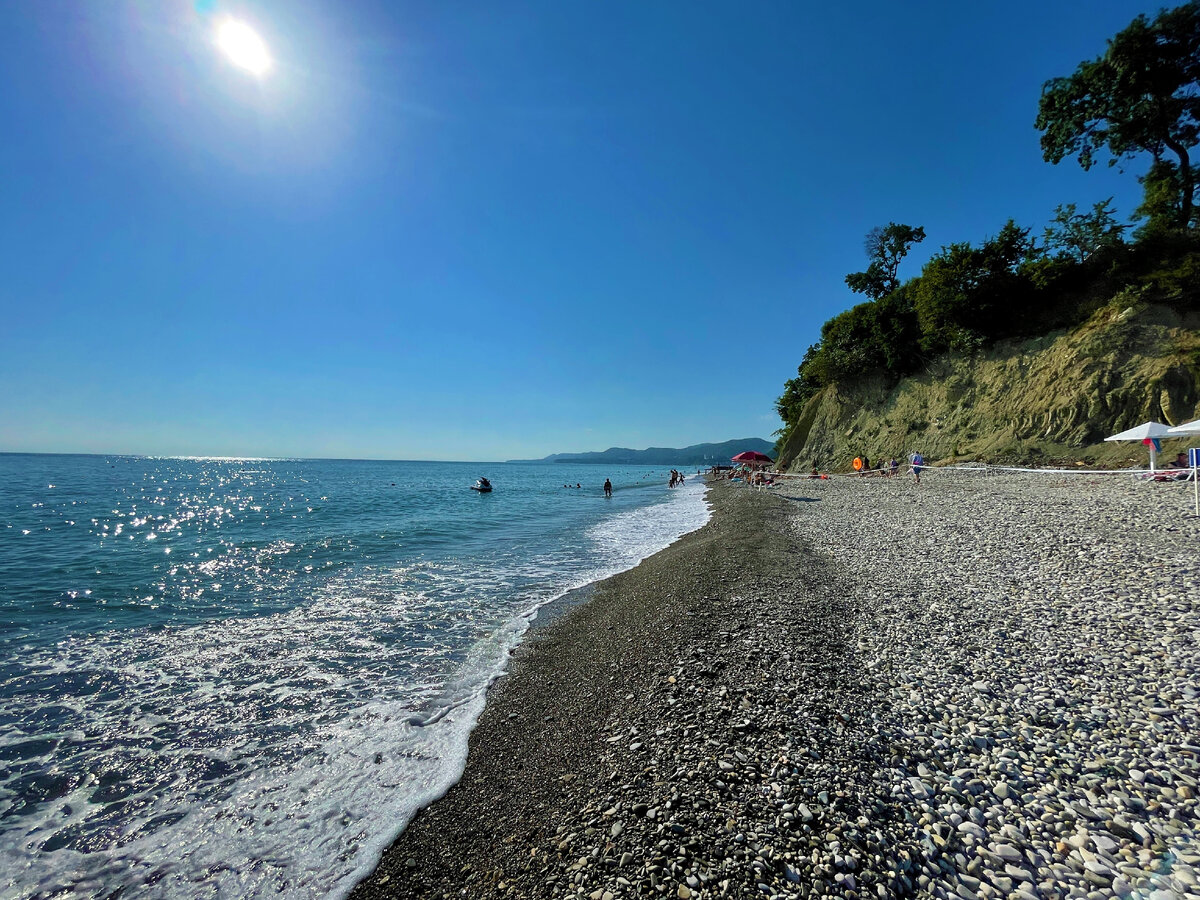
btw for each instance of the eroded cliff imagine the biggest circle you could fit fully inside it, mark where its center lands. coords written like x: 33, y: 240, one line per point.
x: 1053, y: 397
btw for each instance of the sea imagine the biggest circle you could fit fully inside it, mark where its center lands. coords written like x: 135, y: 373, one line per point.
x: 243, y: 677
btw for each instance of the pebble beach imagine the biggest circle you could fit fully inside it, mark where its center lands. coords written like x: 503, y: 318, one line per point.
x: 981, y: 686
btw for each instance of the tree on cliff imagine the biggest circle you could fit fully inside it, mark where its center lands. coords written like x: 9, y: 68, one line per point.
x: 1162, y: 193
x: 885, y: 248
x: 1079, y: 236
x: 1141, y: 96
x: 967, y: 297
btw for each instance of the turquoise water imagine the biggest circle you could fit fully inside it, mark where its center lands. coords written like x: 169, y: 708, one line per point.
x: 243, y: 677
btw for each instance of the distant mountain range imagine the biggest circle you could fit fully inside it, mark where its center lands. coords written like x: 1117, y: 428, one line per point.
x: 695, y: 455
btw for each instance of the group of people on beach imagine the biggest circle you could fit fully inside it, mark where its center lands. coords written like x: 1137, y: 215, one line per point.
x: 862, y: 465
x: 676, y: 478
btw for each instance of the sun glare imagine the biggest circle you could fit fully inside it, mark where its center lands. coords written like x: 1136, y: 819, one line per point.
x: 244, y: 48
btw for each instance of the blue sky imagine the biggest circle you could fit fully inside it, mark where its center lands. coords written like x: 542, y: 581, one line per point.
x: 485, y: 230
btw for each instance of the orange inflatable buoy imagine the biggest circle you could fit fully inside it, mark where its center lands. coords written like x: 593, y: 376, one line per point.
x: 857, y: 464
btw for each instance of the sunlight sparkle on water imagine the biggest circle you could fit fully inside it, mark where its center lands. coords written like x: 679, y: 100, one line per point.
x: 244, y: 48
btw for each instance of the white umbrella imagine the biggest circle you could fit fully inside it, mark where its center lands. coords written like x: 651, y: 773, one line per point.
x: 1144, y: 432
x: 1190, y: 429
x: 1187, y: 429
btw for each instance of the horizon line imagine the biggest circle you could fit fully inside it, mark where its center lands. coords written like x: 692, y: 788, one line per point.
x: 248, y: 458
x: 215, y: 458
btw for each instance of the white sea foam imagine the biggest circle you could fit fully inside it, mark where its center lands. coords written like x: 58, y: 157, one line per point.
x: 279, y: 755
x: 629, y: 537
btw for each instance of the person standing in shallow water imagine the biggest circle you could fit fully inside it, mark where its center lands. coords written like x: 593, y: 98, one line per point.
x: 607, y: 488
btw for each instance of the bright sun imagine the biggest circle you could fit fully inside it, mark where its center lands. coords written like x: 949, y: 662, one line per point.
x: 243, y: 46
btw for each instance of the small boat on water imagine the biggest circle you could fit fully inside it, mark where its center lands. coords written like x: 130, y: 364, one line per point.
x: 483, y: 486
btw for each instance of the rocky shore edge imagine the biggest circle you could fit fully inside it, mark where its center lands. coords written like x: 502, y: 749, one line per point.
x: 970, y: 688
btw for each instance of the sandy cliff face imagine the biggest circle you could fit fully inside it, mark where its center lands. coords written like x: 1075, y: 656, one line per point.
x: 1051, y: 397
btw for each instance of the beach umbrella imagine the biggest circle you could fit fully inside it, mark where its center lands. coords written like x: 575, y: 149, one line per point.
x: 1191, y: 429
x: 1148, y: 433
x: 751, y: 456
x: 1187, y: 429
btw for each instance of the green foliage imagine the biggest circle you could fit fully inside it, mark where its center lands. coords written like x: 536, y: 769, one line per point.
x: 943, y: 299
x: 877, y: 336
x: 885, y: 248
x: 1175, y: 282
x: 1079, y: 236
x: 849, y: 343
x: 897, y: 333
x: 1162, y: 198
x: 810, y: 378
x: 968, y: 296
x: 1140, y: 96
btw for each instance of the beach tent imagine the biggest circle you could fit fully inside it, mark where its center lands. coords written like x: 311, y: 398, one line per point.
x: 1149, y: 433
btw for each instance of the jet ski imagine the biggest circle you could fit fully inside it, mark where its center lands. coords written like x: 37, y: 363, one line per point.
x: 483, y: 486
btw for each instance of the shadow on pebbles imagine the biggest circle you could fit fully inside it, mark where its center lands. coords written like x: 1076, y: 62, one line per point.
x: 970, y: 688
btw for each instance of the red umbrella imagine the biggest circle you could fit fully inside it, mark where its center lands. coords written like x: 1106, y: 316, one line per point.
x: 751, y: 456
